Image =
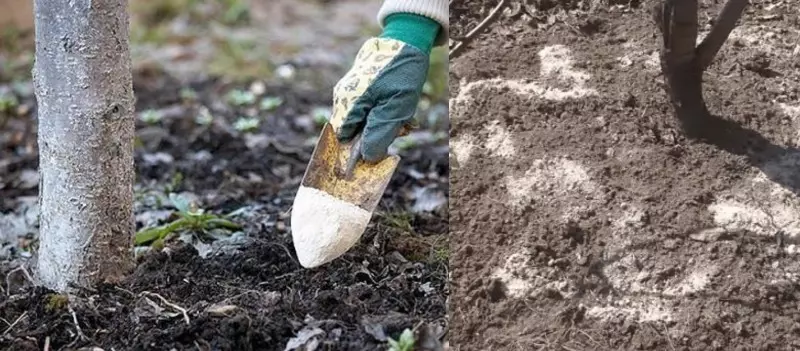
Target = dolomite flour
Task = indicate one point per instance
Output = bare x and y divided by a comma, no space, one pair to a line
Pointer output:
324,227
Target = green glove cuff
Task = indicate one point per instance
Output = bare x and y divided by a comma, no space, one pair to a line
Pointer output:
415,30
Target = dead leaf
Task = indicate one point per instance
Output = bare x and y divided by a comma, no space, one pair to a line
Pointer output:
306,340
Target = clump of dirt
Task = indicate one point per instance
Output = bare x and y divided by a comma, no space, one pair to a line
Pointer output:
585,218
253,295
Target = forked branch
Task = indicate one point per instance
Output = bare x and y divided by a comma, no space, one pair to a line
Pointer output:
725,23
493,15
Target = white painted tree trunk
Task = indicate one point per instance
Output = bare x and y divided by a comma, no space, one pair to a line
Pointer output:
82,78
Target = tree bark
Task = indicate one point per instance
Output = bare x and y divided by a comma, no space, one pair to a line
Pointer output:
83,85
683,63
677,20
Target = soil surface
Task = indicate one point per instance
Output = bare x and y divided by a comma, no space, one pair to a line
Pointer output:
236,145
584,218
247,293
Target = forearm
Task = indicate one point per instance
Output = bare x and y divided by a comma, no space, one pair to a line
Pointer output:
436,10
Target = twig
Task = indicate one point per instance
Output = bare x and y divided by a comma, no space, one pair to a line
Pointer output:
726,21
669,339
77,326
471,34
15,270
23,315
47,344
286,249
170,304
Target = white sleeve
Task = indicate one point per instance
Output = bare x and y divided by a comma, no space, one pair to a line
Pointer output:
436,10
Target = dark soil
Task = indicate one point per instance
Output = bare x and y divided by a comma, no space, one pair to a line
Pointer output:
255,297
633,254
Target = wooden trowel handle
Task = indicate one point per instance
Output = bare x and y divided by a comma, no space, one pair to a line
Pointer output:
355,156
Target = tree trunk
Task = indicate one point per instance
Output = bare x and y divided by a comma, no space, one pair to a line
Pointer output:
684,78
683,64
82,78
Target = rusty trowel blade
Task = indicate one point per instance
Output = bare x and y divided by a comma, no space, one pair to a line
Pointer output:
327,172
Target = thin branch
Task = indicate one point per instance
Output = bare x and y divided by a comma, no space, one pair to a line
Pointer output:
77,326
493,15
15,270
21,317
725,23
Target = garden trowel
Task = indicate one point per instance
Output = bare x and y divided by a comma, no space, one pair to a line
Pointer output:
337,196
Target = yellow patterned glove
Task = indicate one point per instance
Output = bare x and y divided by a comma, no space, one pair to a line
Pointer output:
378,97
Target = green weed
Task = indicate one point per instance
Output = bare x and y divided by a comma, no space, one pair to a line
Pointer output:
404,343
240,97
399,220
150,117
270,103
321,115
56,302
8,103
190,219
188,94
245,124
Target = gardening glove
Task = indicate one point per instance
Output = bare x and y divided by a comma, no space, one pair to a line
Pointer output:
378,97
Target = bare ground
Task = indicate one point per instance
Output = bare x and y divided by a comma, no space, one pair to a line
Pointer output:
585,219
210,137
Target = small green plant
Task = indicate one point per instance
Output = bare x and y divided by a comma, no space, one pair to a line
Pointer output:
404,343
175,183
441,254
400,220
204,117
188,94
190,219
240,97
245,124
270,103
150,117
405,143
56,302
321,115
8,102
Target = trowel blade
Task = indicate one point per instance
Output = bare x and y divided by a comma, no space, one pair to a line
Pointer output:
326,172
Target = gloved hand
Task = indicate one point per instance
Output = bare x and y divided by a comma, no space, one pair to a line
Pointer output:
378,97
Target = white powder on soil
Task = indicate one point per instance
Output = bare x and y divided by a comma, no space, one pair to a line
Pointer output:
553,179
556,62
324,227
763,207
462,148
499,142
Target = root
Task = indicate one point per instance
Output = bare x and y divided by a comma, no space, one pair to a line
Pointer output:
15,270
20,318
81,335
170,304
